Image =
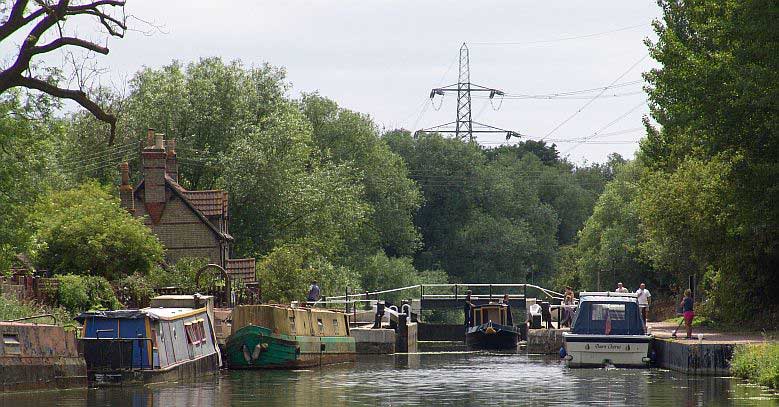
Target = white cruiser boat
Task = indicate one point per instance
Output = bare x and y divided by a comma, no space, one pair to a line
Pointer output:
607,330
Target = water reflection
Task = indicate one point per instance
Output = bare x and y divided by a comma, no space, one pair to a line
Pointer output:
451,379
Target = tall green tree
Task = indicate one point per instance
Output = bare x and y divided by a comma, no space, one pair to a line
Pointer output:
352,138
284,190
713,159
27,167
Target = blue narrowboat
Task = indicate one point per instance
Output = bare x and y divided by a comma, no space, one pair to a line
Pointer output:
148,345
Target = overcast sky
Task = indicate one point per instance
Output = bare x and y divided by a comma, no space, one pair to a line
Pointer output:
383,57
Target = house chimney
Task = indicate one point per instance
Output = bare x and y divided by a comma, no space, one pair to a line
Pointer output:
125,189
154,158
171,165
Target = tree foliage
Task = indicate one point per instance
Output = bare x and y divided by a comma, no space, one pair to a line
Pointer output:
711,192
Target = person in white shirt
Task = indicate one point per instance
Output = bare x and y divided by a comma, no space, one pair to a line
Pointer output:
620,288
644,297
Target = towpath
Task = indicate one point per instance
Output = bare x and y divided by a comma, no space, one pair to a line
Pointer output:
664,330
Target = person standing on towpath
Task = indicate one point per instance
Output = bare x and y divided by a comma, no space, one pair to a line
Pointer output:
687,311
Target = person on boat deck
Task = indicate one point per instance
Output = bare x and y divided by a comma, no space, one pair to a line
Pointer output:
687,309
567,304
620,288
644,297
509,318
313,292
467,308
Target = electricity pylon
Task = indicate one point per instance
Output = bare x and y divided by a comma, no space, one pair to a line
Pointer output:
464,124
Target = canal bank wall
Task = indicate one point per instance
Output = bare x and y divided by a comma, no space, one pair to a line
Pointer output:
693,358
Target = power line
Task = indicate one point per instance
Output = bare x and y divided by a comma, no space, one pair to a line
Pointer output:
589,102
611,123
577,37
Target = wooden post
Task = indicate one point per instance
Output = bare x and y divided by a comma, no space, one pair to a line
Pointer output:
455,292
490,292
346,300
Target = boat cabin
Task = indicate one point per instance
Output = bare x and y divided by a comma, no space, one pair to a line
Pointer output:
608,315
286,320
493,312
149,340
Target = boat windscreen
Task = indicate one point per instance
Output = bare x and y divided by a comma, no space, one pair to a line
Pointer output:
609,318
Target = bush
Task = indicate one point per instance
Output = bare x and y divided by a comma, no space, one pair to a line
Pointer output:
86,293
285,275
757,363
135,291
84,231
181,275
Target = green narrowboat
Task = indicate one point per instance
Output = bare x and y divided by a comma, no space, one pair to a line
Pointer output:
280,336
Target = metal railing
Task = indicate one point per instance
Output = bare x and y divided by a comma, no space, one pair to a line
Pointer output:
458,291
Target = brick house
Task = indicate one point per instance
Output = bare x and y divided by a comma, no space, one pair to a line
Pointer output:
188,223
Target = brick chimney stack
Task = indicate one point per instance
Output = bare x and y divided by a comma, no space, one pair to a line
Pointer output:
171,165
125,189
154,158
149,137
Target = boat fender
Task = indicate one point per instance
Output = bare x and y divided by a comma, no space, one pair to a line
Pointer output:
562,352
257,350
246,356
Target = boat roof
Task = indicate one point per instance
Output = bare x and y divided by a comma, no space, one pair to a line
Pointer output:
152,313
607,296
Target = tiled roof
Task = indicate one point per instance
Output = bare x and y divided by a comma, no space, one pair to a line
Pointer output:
243,269
210,203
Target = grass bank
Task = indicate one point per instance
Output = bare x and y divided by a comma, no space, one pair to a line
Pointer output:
757,363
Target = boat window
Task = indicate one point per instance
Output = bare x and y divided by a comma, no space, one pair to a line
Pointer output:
613,311
321,325
188,329
11,344
292,325
335,325
201,330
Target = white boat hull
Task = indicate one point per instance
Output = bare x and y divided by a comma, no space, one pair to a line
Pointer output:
600,350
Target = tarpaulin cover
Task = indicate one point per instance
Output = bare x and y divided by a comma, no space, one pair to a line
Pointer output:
608,316
118,314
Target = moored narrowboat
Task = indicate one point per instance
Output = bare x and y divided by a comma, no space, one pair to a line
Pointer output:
39,356
607,330
148,345
492,328
280,336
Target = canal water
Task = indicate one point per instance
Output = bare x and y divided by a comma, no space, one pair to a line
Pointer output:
426,379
